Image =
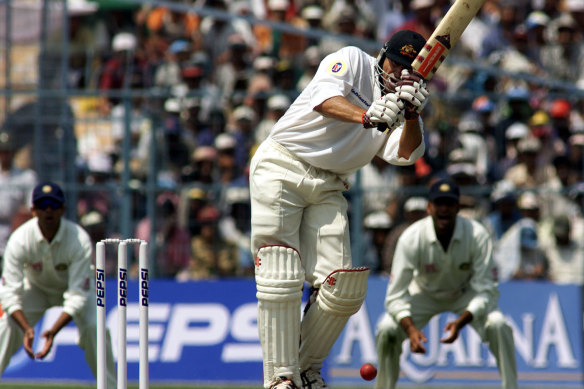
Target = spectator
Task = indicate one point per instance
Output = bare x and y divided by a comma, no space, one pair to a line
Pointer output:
173,250
501,34
518,254
15,188
565,254
276,107
227,169
379,183
312,58
504,212
233,74
377,226
414,209
563,56
202,169
243,130
169,72
473,141
124,70
527,173
235,225
212,256
422,19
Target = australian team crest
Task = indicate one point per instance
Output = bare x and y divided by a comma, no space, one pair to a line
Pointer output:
409,51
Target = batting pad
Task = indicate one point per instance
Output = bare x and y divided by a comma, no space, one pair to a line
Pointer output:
279,277
339,297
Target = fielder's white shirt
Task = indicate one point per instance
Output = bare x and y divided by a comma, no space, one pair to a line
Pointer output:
329,144
61,267
420,265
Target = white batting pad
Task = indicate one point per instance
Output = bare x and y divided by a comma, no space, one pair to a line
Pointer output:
339,297
279,277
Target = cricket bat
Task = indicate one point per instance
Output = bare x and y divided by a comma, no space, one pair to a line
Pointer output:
445,36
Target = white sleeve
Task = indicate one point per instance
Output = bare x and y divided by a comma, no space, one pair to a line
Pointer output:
335,75
389,150
397,302
484,279
11,288
80,276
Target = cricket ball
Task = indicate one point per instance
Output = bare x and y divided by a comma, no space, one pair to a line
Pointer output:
368,371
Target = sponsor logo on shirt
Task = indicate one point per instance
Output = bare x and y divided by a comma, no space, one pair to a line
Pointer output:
337,68
361,99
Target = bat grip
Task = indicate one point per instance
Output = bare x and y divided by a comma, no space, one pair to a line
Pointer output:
382,127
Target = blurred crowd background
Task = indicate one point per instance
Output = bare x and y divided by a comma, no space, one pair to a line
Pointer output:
147,113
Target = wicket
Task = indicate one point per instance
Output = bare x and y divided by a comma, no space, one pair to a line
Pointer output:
122,306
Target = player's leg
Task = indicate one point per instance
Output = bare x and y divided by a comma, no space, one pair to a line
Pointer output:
34,305
86,323
279,278
499,335
390,337
277,207
339,289
494,329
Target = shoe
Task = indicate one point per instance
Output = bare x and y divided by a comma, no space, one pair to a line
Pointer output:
311,379
282,383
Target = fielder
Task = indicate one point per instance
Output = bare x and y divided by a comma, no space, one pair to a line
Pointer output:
48,263
443,263
299,215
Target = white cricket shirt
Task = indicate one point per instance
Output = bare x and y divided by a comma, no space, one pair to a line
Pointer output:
420,265
329,144
62,267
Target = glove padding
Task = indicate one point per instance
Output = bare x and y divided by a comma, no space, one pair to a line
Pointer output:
386,109
412,90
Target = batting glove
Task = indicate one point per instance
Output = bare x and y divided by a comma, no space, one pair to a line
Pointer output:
386,109
412,90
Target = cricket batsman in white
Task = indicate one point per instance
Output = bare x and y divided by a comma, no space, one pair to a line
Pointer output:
356,107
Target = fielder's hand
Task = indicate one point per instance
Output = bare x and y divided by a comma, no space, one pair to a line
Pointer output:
386,109
412,90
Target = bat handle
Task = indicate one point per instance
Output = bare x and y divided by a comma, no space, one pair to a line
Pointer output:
382,127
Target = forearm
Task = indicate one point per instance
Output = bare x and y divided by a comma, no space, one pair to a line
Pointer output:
20,319
410,139
339,108
464,318
61,322
407,324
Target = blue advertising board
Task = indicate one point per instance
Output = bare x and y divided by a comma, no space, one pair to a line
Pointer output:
206,332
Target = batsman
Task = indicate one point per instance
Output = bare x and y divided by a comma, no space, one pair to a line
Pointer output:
355,108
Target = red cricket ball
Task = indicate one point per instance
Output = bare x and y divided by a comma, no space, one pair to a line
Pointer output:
368,371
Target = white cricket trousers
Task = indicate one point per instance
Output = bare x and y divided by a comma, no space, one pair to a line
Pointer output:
35,303
297,205
493,329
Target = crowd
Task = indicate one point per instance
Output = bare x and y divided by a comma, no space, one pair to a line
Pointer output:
513,145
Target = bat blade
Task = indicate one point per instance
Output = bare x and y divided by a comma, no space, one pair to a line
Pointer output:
445,37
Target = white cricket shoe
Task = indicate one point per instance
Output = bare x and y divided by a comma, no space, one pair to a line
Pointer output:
311,379
282,383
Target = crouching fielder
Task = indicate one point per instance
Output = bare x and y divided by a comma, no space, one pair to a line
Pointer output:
443,263
299,221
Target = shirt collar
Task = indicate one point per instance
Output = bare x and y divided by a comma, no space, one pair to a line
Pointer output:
39,237
456,235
